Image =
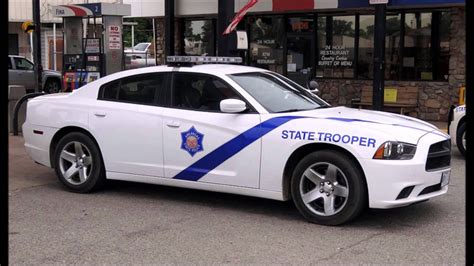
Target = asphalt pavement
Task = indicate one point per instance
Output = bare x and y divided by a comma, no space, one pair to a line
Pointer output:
131,223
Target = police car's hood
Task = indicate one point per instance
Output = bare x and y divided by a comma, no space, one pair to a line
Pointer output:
400,127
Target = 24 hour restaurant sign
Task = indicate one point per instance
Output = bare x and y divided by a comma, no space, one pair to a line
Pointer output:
334,55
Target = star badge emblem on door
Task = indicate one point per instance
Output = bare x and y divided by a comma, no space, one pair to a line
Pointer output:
191,141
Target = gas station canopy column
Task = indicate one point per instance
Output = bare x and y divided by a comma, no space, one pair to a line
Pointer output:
88,55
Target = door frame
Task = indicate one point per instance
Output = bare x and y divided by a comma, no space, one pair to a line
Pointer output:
313,40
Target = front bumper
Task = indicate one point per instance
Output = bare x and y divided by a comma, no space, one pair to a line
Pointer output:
387,178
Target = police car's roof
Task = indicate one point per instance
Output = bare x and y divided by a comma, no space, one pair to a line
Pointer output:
216,69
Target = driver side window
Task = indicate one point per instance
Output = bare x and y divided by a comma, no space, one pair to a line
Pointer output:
23,64
200,92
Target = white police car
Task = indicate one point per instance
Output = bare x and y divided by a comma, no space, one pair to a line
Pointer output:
457,128
241,130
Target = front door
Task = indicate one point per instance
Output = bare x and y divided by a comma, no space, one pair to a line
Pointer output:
300,57
203,144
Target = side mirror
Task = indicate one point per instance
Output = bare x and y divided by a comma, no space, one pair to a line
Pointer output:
232,106
313,86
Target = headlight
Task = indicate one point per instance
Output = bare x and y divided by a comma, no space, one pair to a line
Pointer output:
393,150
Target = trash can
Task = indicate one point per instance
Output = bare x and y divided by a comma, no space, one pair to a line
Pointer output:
15,92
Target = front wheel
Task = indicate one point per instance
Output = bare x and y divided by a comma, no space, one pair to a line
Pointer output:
328,188
78,163
461,139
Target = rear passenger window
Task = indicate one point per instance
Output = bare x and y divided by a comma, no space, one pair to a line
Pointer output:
109,91
142,89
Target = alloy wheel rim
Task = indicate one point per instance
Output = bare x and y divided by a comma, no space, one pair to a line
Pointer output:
75,163
324,189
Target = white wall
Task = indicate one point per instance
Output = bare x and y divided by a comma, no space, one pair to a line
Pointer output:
156,8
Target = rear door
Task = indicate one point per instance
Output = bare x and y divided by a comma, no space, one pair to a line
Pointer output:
127,122
203,144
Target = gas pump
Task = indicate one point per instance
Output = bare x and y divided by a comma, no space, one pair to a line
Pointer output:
91,50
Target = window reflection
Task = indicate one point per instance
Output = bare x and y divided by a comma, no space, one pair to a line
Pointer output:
365,67
417,63
336,58
266,43
392,47
199,37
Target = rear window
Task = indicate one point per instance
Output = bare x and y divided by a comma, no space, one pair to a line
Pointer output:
142,89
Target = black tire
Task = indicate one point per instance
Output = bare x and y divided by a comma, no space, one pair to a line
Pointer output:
52,86
96,173
459,134
356,200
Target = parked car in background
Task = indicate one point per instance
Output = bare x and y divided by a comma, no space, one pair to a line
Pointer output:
21,72
141,55
139,49
457,128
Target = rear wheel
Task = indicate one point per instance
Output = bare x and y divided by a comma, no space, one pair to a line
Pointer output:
461,138
328,188
79,163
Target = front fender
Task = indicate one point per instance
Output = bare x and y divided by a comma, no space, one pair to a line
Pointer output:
279,144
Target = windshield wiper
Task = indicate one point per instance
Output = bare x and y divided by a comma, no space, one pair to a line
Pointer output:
325,106
292,110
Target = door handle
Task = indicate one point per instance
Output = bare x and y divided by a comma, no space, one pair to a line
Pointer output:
172,123
99,114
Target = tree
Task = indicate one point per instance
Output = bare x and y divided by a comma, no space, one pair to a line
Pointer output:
342,27
143,31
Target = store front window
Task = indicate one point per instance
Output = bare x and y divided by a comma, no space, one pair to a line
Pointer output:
417,61
300,51
266,42
336,57
365,67
199,37
441,53
392,47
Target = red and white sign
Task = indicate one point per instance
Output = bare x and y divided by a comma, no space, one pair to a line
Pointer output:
115,37
290,5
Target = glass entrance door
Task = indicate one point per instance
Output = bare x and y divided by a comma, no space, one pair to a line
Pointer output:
300,57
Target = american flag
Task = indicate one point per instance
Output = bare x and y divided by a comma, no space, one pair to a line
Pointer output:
239,16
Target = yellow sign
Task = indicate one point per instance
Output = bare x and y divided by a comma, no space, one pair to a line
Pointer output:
462,95
28,26
390,95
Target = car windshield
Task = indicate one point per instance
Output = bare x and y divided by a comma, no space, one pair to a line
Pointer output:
141,46
276,93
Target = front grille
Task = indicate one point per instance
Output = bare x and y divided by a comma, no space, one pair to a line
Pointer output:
439,156
430,189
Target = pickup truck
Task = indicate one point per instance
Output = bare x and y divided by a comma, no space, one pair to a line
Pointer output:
21,72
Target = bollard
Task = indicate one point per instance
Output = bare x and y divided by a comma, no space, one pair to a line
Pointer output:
15,92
